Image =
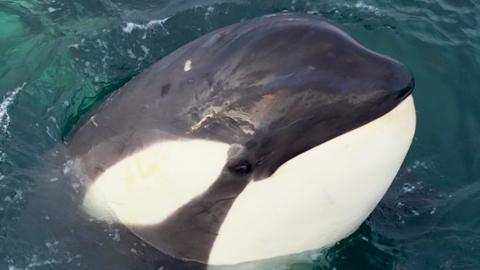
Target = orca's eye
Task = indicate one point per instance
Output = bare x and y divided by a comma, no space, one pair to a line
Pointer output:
242,167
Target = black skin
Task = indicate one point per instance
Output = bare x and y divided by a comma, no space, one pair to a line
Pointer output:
273,88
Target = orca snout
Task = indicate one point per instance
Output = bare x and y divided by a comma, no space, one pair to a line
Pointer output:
405,82
394,79
408,88
388,85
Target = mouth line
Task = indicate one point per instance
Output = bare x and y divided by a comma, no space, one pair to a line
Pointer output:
407,90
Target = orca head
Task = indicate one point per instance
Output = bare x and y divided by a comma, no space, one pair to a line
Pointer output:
319,121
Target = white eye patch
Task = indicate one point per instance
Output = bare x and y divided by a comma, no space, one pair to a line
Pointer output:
149,185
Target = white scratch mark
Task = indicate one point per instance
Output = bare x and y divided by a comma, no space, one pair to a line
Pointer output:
92,119
188,65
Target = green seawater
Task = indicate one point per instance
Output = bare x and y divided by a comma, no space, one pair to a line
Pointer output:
60,57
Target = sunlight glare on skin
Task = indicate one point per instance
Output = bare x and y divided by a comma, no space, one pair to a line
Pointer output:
149,185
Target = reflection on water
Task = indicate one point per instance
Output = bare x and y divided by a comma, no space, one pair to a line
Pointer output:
59,57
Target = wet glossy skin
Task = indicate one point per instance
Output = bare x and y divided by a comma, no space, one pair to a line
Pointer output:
261,85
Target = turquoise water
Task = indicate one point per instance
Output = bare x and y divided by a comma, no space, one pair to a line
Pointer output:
58,57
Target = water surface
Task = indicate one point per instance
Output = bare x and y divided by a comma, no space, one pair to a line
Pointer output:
59,57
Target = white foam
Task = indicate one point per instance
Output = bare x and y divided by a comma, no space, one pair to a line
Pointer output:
363,6
417,164
209,11
36,263
52,245
7,101
67,168
131,54
131,26
2,158
145,49
408,188
116,235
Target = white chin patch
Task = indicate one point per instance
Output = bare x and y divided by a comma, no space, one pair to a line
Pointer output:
149,185
312,201
320,196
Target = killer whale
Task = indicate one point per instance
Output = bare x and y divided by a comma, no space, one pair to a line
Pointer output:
261,139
